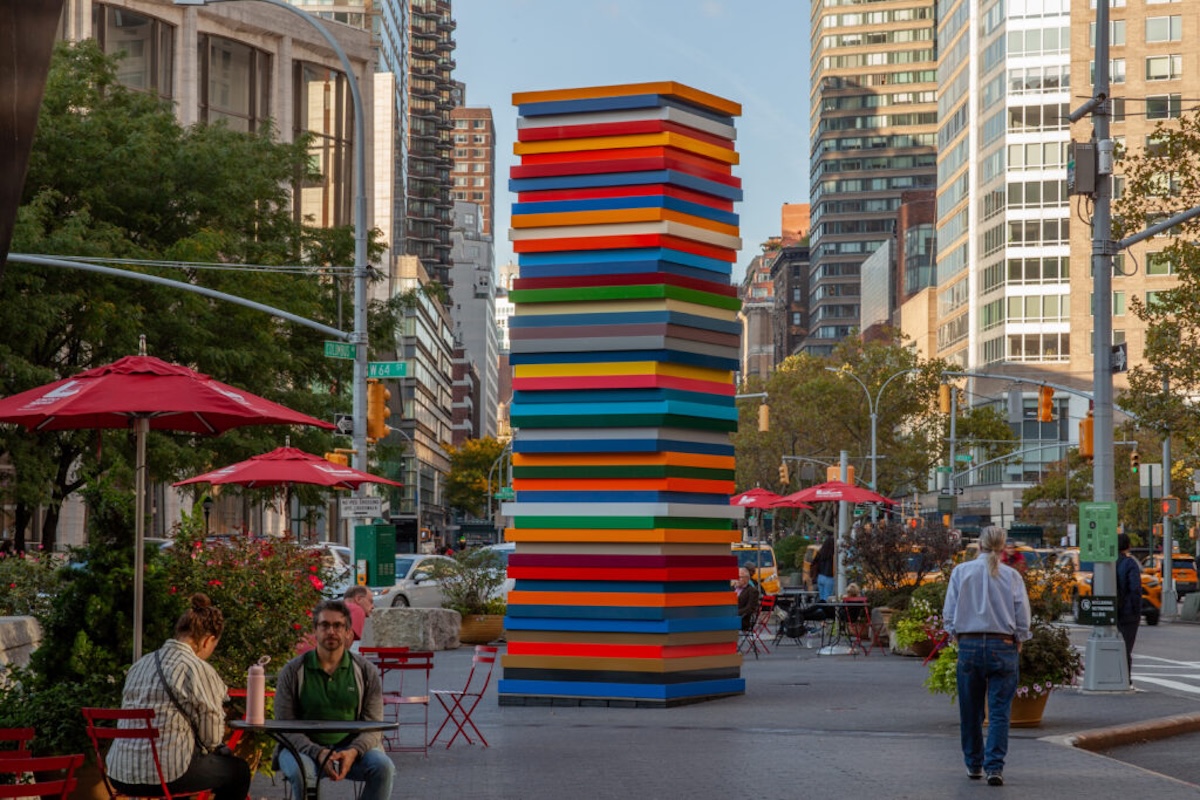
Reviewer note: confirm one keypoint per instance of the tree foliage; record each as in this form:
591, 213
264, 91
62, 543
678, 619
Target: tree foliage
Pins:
888, 555
113, 176
1161, 179
470, 467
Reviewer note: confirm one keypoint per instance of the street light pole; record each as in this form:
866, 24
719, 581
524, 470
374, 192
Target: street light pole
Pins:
873, 410
361, 267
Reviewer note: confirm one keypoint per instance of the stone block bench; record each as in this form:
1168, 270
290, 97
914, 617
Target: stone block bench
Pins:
414, 628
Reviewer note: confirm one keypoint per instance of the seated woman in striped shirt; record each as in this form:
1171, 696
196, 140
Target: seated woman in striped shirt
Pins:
188, 697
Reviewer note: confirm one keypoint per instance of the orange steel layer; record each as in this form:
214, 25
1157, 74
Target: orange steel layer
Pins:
621, 459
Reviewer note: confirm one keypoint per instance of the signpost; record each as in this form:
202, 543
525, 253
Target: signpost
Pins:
344, 423
387, 369
1098, 610
339, 350
360, 507
1098, 532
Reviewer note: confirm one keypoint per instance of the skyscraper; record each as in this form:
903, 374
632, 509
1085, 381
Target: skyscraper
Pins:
872, 135
475, 161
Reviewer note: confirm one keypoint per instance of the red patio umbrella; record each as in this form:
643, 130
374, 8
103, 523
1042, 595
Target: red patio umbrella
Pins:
754, 498
285, 466
834, 491
144, 392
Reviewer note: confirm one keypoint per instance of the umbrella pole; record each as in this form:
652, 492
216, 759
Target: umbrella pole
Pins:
141, 425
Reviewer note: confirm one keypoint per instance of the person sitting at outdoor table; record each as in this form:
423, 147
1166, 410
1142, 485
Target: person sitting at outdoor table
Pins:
332, 683
188, 698
748, 599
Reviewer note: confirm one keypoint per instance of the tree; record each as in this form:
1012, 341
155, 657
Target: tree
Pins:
1161, 179
113, 176
470, 466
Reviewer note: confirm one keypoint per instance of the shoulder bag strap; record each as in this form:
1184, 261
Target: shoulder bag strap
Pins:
175, 701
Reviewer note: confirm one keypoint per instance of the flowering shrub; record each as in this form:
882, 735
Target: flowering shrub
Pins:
1048, 661
919, 623
28, 582
266, 588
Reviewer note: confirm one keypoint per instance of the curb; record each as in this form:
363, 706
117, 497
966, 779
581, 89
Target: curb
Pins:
1099, 739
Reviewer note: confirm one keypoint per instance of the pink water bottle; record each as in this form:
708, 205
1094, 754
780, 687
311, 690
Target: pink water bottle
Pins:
256, 692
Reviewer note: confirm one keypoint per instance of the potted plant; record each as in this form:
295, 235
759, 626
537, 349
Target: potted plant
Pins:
471, 586
918, 628
1048, 659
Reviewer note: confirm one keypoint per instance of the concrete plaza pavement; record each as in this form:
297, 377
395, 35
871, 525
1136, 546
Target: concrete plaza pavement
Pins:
809, 726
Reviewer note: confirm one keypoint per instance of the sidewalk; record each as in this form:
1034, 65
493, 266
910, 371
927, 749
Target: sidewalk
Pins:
808, 726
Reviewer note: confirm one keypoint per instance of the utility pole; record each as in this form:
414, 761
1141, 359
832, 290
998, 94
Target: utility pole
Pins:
1169, 602
1106, 666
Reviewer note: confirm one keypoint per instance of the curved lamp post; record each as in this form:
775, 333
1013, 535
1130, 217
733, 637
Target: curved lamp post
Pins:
873, 408
361, 268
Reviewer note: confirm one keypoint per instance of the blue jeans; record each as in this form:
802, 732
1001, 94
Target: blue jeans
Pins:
374, 768
987, 674
826, 587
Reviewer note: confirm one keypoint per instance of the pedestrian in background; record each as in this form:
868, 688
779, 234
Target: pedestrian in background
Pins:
748, 599
361, 604
823, 566
1129, 598
987, 613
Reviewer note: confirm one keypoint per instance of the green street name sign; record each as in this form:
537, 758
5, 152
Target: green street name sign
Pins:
339, 350
963, 457
945, 469
505, 493
387, 369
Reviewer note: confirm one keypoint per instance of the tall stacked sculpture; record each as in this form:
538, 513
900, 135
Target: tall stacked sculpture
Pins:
623, 344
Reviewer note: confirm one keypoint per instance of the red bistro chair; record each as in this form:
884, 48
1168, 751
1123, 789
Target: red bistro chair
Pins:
14, 742
413, 667
52, 776
460, 704
104, 725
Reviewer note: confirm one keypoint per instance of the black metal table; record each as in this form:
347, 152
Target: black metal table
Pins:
277, 728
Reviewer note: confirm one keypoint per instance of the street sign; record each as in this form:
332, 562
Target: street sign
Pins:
339, 350
1098, 610
948, 470
963, 457
505, 493
1120, 357
344, 423
387, 369
952, 490
360, 506
1194, 498
1098, 531
947, 505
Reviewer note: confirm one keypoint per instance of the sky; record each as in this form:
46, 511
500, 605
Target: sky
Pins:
754, 52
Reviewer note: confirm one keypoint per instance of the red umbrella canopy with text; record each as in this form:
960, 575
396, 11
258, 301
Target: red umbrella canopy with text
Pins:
284, 466
833, 491
144, 392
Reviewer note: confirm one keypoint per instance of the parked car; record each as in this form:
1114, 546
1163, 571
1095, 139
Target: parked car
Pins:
415, 586
504, 550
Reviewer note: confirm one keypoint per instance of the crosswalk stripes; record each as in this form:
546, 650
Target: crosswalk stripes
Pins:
1167, 673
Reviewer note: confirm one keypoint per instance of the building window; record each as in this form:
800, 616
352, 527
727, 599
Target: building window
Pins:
148, 46
1163, 106
1164, 29
1116, 29
235, 83
1159, 264
1164, 68
322, 109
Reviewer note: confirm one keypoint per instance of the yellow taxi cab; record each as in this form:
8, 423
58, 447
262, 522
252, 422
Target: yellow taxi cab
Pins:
760, 560
1183, 570
1151, 587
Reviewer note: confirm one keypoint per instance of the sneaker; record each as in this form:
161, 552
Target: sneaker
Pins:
995, 779
975, 773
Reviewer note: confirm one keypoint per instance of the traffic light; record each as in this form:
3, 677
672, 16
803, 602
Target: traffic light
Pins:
783, 474
944, 398
835, 474
1086, 427
764, 418
338, 458
377, 409
1135, 461
1045, 409
1170, 506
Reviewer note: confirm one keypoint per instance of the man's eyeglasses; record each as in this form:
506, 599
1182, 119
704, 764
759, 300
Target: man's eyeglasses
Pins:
331, 626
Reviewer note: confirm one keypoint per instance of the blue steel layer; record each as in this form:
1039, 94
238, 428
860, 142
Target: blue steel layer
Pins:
618, 203
624, 256
669, 356
622, 690
673, 177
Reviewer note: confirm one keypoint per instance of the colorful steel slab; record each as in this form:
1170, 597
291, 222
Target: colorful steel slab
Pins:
674, 114
671, 89
641, 176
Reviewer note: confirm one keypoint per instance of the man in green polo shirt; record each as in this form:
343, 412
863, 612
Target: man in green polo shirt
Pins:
332, 683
